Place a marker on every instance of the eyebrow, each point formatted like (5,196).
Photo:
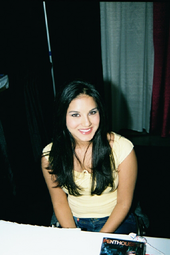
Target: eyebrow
(96,108)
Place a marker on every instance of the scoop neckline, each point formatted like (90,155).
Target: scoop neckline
(82,172)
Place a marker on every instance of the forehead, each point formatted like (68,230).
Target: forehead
(82,102)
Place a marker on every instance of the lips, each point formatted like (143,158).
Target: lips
(85,131)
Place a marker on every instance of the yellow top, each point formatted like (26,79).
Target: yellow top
(87,206)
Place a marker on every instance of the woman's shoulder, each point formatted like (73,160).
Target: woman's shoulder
(121,147)
(116,139)
(46,150)
(47,147)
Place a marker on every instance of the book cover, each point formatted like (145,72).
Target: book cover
(111,246)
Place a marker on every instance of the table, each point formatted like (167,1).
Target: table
(22,239)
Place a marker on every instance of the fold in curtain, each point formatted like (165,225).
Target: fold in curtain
(160,114)
(35,119)
(7,183)
(127,59)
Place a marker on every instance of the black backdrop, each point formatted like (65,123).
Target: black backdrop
(26,108)
(75,41)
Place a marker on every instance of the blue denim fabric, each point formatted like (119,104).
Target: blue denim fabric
(90,224)
(95,224)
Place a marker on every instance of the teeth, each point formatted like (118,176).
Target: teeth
(87,130)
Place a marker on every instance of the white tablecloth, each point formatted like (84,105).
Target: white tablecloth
(20,239)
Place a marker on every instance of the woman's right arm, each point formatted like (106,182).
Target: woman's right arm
(59,199)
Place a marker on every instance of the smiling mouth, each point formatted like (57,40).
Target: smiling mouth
(85,131)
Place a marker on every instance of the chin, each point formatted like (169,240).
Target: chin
(85,138)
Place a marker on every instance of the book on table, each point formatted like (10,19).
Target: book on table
(114,246)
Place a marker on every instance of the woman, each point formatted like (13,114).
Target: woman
(90,172)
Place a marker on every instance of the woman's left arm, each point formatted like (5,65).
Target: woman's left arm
(127,172)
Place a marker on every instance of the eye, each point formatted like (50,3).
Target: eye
(92,112)
(75,115)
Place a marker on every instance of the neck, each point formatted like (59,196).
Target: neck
(82,145)
(83,156)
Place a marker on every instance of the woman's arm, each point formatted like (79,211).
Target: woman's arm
(58,198)
(127,172)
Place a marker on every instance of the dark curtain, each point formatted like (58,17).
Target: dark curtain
(74,28)
(26,111)
(160,113)
(7,184)
(36,124)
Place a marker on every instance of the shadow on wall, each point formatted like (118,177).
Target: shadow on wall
(117,109)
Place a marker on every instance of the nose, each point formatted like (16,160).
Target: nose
(86,121)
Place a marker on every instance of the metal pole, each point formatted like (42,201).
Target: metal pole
(49,48)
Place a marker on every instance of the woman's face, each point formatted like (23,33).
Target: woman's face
(82,118)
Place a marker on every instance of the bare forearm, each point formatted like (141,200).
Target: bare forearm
(64,216)
(116,218)
(127,172)
(58,199)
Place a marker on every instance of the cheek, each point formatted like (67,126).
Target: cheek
(97,120)
(71,123)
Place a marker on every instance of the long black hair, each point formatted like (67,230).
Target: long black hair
(63,147)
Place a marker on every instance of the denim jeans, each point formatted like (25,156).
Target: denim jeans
(95,224)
